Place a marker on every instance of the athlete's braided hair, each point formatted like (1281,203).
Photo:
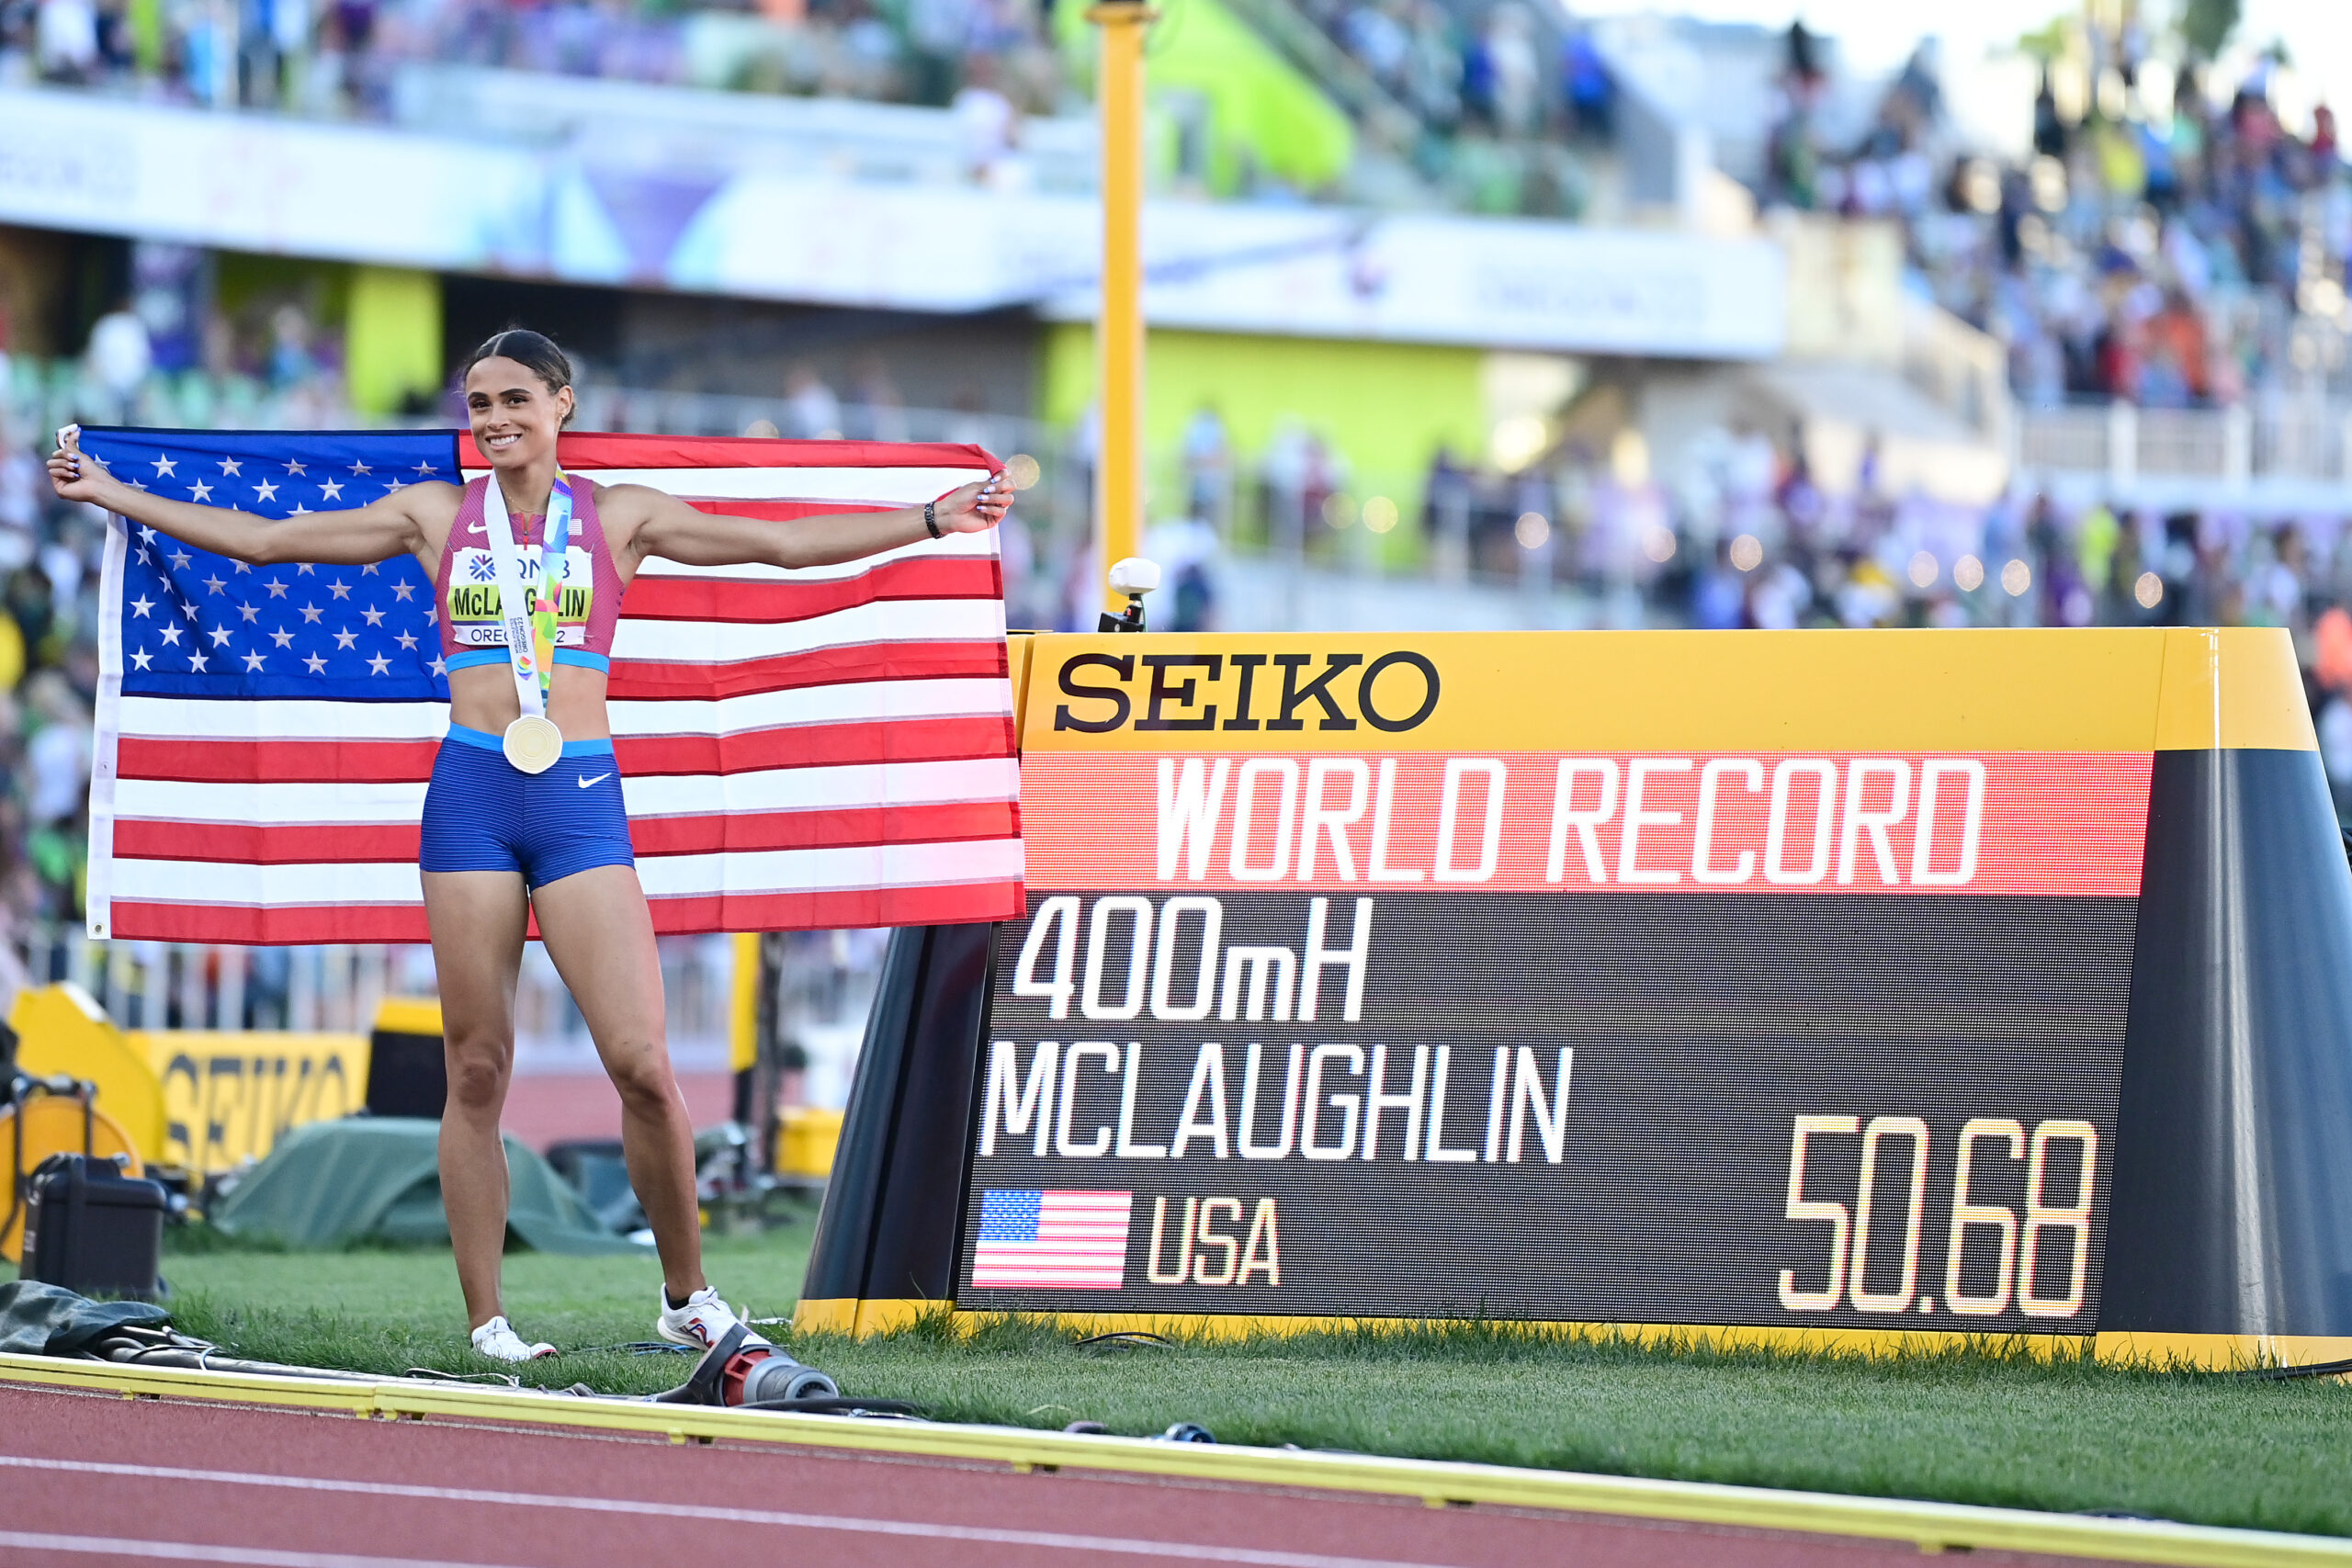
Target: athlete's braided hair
(536,352)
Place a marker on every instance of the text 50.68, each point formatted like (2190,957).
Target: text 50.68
(2039,1260)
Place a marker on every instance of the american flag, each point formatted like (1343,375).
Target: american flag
(810,749)
(1072,1241)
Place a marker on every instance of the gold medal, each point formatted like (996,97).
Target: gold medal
(532,743)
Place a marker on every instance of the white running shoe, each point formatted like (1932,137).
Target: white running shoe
(702,1322)
(498,1340)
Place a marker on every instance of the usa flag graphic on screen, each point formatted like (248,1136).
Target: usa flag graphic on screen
(1052,1241)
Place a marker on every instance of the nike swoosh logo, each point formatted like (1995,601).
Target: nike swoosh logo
(478,528)
(600,778)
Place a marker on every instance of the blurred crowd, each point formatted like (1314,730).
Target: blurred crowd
(1745,538)
(1741,534)
(1496,94)
(2161,244)
(2169,238)
(1501,92)
(337,57)
(50,556)
(1505,72)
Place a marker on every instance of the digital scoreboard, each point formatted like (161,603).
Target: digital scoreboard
(1754,980)
(1636,1109)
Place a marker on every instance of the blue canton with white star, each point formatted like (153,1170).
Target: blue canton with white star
(198,624)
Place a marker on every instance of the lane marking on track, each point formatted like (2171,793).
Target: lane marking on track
(1126,1546)
(198,1552)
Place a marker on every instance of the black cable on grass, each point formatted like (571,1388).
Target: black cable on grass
(2284,1375)
(199,1349)
(639,1347)
(1128,1338)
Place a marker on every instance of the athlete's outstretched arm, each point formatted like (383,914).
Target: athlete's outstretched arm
(668,527)
(379,531)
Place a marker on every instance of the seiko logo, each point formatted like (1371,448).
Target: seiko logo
(1394,692)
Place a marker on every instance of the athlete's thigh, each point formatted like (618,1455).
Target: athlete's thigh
(600,933)
(479,921)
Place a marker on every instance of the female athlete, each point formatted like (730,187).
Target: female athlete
(499,843)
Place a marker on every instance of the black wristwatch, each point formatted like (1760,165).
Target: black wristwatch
(931,517)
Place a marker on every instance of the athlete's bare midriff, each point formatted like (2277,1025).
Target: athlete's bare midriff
(483,698)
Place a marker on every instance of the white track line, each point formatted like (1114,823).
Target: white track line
(197,1551)
(1057,1541)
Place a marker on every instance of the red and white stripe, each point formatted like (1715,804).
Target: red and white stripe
(831,747)
(1082,1245)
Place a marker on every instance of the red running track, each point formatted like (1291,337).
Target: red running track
(88,1479)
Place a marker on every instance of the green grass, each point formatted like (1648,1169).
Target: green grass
(388,1309)
(1986,1425)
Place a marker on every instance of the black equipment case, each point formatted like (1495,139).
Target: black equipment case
(89,1228)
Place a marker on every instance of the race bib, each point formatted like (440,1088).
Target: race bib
(473,606)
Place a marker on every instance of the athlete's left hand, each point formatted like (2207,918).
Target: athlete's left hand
(979,505)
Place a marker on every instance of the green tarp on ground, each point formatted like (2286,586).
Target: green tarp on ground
(378,1177)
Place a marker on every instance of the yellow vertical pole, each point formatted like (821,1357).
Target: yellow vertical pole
(1118,483)
(743,1021)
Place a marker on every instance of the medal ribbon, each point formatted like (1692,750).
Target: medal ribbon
(530,617)
(547,607)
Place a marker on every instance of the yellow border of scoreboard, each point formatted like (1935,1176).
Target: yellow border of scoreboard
(1931,1527)
(2123,688)
(2204,1352)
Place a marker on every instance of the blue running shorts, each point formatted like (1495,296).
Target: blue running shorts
(482,813)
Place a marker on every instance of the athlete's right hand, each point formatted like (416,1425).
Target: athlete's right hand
(73,474)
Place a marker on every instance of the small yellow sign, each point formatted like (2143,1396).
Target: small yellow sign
(228,1097)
